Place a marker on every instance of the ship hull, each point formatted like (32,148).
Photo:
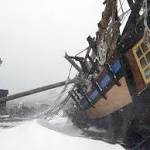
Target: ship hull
(118,101)
(128,125)
(117,97)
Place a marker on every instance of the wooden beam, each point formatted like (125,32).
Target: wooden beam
(36,90)
(73,63)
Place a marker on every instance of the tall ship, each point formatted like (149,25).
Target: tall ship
(110,96)
(113,88)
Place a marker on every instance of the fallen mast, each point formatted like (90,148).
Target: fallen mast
(36,90)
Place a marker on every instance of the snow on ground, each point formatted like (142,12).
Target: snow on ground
(34,136)
(62,125)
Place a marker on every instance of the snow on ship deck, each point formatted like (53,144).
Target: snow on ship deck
(41,136)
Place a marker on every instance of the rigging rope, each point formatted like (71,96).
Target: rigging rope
(54,110)
(77,55)
(147,30)
(125,15)
(121,6)
(82,51)
(51,111)
(108,41)
(48,113)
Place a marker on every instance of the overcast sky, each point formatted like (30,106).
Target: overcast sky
(34,35)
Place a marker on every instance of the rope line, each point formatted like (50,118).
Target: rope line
(121,6)
(147,30)
(82,51)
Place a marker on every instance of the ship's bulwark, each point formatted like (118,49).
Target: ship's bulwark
(117,97)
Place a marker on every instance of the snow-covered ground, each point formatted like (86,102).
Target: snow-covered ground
(39,135)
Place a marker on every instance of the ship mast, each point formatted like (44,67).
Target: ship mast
(103,24)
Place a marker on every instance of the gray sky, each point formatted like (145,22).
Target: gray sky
(34,35)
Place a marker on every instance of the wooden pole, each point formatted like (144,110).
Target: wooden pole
(73,63)
(36,90)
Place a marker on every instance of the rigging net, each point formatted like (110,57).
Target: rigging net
(147,30)
(108,39)
(58,104)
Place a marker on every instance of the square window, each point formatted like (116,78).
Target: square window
(139,52)
(144,47)
(147,73)
(143,62)
(148,57)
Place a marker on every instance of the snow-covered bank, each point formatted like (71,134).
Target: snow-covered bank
(32,136)
(61,125)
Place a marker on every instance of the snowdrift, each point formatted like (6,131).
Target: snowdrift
(34,136)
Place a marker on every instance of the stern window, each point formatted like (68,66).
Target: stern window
(141,52)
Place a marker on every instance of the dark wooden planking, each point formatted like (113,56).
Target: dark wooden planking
(132,20)
(131,4)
